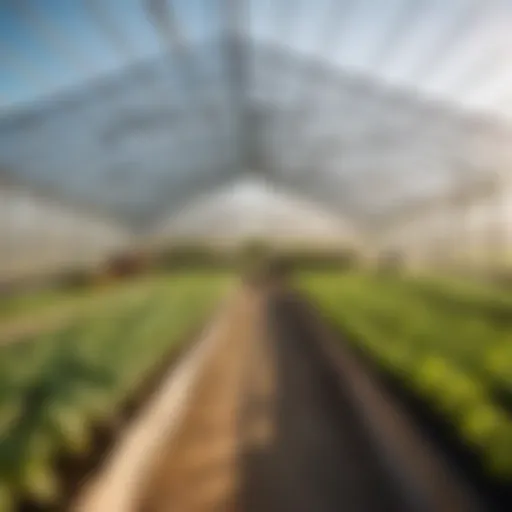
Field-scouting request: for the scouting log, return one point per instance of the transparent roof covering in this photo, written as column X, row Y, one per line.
column 132, row 107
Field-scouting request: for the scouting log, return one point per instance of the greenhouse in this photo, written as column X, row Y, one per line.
column 255, row 255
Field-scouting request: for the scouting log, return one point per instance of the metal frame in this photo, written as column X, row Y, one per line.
column 299, row 157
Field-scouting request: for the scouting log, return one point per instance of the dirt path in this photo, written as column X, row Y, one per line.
column 130, row 465
column 267, row 428
column 198, row 470
column 267, row 431
column 316, row 456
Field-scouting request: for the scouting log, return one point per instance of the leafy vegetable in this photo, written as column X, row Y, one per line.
column 450, row 343
column 55, row 387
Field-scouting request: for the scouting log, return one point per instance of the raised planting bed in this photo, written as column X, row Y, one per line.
column 64, row 394
column 453, row 366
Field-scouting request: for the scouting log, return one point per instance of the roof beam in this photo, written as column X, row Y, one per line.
column 440, row 51
column 236, row 17
column 108, row 25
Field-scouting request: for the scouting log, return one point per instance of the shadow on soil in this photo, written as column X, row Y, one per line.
column 317, row 457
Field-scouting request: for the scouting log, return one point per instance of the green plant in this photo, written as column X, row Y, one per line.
column 56, row 387
column 447, row 343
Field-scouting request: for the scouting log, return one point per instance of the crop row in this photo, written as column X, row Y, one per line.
column 55, row 388
column 456, row 356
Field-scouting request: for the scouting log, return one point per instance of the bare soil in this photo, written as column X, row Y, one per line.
column 281, row 417
column 276, row 425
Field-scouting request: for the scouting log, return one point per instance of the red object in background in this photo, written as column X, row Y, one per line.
column 126, row 264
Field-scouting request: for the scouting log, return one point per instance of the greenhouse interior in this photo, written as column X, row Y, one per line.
column 255, row 255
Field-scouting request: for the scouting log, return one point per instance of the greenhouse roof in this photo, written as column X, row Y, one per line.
column 135, row 106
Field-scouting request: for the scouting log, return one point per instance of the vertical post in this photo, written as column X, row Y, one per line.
column 497, row 223
column 236, row 17
column 462, row 195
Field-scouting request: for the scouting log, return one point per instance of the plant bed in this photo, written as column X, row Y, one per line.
column 70, row 391
column 497, row 495
column 416, row 467
column 439, row 381
column 74, row 471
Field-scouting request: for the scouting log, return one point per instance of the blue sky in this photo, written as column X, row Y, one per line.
column 61, row 43
column 456, row 49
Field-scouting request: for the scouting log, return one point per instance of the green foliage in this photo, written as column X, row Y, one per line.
column 10, row 306
column 310, row 259
column 193, row 256
column 56, row 387
column 450, row 342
